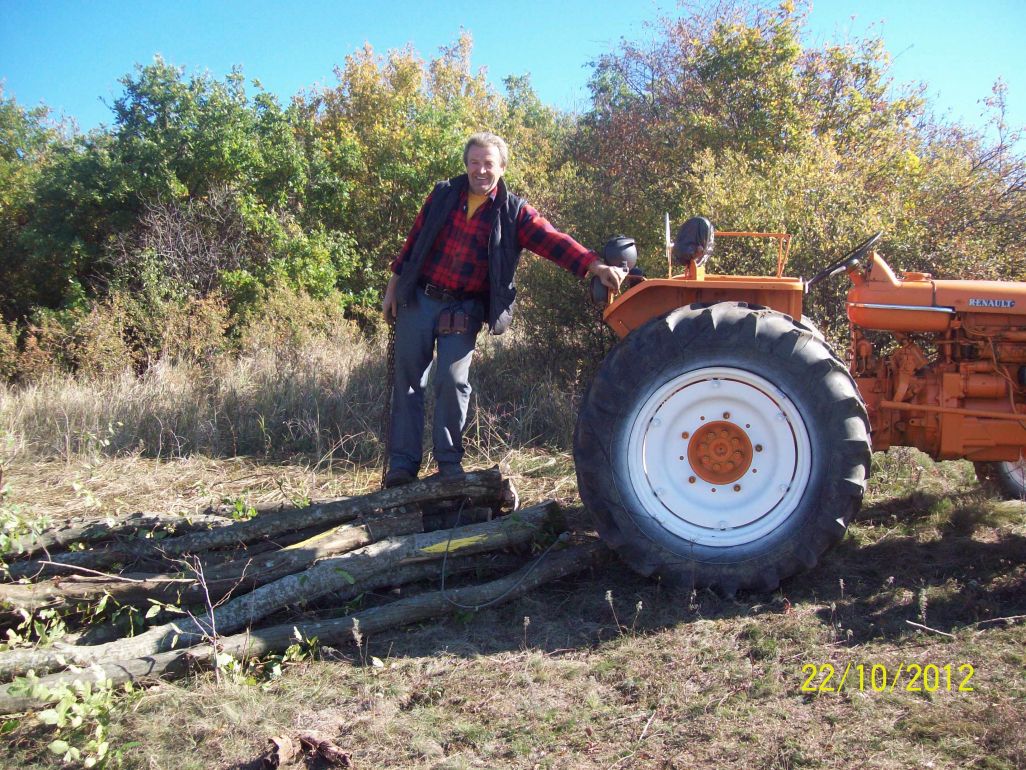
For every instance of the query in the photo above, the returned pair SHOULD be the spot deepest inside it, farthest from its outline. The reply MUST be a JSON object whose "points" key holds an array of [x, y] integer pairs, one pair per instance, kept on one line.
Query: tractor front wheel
{"points": [[722, 446]]}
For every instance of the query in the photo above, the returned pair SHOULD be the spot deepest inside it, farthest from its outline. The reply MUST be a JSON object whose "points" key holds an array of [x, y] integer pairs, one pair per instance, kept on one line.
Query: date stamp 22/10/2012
{"points": [[877, 677]]}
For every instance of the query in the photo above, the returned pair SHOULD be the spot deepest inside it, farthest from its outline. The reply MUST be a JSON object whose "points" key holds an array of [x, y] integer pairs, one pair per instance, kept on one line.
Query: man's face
{"points": [[485, 168]]}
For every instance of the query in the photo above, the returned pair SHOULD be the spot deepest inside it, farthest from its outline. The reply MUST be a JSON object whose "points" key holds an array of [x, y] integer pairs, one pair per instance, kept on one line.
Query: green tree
{"points": [[392, 127], [725, 113], [193, 150], [28, 140]]}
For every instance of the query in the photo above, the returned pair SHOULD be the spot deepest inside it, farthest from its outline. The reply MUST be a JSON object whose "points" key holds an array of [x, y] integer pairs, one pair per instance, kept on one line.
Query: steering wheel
{"points": [[846, 262]]}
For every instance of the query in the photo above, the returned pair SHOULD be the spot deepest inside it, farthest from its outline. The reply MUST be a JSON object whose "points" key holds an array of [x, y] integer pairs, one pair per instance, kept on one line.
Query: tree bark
{"points": [[258, 642], [478, 487], [322, 578]]}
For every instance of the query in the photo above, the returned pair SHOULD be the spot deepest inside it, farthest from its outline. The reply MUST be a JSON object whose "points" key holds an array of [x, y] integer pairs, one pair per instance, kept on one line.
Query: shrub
{"points": [[97, 346], [45, 351], [195, 329], [8, 351], [559, 324], [288, 321]]}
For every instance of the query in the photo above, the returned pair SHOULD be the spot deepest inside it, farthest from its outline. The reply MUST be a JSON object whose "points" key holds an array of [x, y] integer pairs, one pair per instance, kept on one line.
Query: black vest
{"points": [[503, 251]]}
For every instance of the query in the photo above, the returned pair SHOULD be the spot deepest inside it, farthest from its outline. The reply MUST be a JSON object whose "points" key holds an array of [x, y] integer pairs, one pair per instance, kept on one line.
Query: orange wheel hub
{"points": [[720, 452]]}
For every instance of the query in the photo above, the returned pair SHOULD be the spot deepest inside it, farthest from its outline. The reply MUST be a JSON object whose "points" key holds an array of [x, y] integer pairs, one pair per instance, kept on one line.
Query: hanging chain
{"points": [[389, 387]]}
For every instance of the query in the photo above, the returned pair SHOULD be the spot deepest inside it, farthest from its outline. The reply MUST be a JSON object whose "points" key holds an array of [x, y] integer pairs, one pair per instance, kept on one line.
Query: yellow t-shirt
{"points": [[474, 202]]}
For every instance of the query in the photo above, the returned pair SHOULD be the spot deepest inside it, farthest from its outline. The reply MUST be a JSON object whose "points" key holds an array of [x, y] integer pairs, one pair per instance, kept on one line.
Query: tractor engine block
{"points": [[953, 380]]}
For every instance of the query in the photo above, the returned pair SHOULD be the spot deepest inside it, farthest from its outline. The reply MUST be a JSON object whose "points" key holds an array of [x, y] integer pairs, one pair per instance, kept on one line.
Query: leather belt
{"points": [[447, 295]]}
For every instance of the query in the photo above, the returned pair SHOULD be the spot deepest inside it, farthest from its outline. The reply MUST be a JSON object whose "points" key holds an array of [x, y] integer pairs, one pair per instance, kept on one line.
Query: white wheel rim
{"points": [[719, 514]]}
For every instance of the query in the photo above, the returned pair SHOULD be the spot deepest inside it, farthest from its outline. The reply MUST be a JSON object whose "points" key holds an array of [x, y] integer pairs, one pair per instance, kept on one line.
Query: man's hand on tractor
{"points": [[389, 305], [611, 277]]}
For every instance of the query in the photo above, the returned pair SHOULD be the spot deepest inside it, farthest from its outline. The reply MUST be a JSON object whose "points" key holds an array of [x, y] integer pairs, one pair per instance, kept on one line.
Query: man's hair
{"points": [[487, 139]]}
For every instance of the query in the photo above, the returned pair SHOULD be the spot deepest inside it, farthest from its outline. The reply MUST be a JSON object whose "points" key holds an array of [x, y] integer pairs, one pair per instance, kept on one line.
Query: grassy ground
{"points": [[609, 669]]}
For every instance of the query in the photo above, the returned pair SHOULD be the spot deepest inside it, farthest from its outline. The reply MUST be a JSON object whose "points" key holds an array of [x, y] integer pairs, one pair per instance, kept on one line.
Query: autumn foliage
{"points": [[206, 199]]}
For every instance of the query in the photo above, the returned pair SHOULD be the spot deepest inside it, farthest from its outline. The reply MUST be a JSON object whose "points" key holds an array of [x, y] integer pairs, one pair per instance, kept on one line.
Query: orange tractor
{"points": [[723, 443]]}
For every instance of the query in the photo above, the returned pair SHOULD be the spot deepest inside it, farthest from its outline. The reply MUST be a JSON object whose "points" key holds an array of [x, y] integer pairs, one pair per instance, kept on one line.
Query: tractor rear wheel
{"points": [[722, 446], [1007, 479]]}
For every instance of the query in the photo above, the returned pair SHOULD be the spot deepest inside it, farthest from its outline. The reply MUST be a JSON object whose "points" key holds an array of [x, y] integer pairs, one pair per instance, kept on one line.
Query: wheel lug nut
{"points": [[726, 415], [758, 447], [691, 479], [685, 434], [737, 487]]}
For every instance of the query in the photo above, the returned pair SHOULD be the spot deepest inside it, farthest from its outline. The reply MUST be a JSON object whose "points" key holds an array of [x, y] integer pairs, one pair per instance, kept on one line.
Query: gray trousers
{"points": [[416, 335]]}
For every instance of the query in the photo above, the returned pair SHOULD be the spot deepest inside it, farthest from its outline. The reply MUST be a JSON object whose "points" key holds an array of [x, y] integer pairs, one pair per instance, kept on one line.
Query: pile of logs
{"points": [[213, 583]]}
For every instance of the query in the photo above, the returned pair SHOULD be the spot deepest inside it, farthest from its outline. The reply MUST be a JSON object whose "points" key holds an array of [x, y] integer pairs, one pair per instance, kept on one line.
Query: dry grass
{"points": [[611, 670], [644, 679], [323, 400]]}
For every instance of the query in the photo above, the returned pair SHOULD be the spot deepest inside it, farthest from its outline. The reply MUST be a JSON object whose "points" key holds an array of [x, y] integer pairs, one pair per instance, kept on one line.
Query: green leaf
{"points": [[48, 716], [223, 659], [59, 747], [346, 576]]}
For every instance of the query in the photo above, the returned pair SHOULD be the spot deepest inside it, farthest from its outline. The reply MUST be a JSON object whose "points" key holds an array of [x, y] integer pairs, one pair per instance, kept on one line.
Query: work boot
{"points": [[396, 477], [448, 471]]}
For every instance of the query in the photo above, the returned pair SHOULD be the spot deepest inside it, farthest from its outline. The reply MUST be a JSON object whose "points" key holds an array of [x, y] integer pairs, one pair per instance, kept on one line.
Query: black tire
{"points": [[809, 325], [784, 388], [1006, 479]]}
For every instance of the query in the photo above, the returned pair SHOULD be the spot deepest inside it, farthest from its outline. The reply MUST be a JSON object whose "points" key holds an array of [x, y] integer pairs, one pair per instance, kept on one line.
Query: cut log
{"points": [[477, 487], [245, 571], [392, 579], [258, 642], [447, 519], [98, 531], [245, 574], [322, 578], [221, 580], [131, 589]]}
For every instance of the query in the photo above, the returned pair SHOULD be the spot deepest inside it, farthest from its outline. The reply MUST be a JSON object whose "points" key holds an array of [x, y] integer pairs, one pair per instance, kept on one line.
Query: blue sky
{"points": [[70, 54]]}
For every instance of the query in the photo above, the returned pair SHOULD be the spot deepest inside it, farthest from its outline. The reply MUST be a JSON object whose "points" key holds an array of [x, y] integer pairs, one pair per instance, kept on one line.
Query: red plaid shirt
{"points": [[458, 260]]}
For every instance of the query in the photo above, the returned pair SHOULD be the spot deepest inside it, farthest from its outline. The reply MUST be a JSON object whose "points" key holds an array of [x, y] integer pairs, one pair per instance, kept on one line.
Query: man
{"points": [[453, 275]]}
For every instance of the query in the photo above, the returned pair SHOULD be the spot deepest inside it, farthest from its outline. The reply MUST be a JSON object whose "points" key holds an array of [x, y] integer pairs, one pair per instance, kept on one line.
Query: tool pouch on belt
{"points": [[452, 322]]}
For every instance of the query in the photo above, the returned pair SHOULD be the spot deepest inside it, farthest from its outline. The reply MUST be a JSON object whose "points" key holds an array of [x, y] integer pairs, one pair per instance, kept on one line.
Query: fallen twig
{"points": [[931, 630]]}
